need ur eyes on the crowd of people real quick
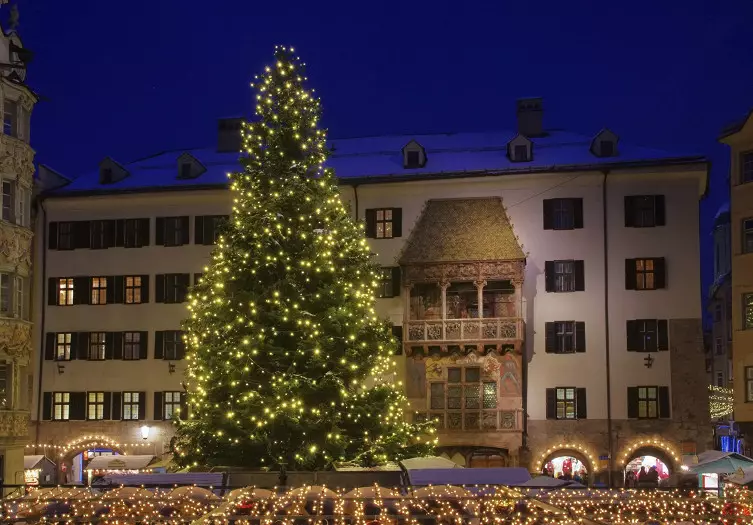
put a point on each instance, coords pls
(643, 478)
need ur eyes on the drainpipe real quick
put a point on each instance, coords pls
(610, 443)
(43, 305)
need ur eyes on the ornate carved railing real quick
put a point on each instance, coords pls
(448, 330)
(493, 420)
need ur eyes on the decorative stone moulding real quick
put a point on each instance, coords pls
(15, 340)
(14, 424)
(15, 245)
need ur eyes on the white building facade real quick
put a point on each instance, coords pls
(545, 287)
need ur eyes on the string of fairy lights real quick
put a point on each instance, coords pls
(721, 401)
(375, 504)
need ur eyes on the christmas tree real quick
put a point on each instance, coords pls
(289, 363)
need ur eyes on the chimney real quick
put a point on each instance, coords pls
(229, 138)
(531, 117)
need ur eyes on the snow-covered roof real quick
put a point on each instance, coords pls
(381, 158)
(32, 462)
(119, 462)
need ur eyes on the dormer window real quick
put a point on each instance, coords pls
(604, 144)
(111, 172)
(520, 149)
(185, 170)
(189, 167)
(105, 175)
(414, 155)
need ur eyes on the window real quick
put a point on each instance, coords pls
(412, 159)
(718, 346)
(172, 231)
(172, 287)
(746, 166)
(566, 403)
(647, 335)
(4, 385)
(565, 336)
(173, 345)
(63, 345)
(645, 274)
(171, 407)
(10, 118)
(563, 214)
(648, 402)
(606, 148)
(564, 276)
(389, 282)
(132, 289)
(644, 211)
(5, 293)
(521, 153)
(185, 170)
(207, 228)
(718, 312)
(748, 311)
(720, 379)
(105, 176)
(61, 406)
(65, 292)
(749, 384)
(95, 406)
(135, 233)
(747, 236)
(467, 400)
(97, 346)
(65, 236)
(99, 290)
(102, 234)
(384, 223)
(18, 297)
(131, 403)
(8, 204)
(22, 206)
(131, 345)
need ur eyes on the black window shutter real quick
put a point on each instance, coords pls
(578, 213)
(630, 276)
(181, 346)
(581, 404)
(119, 234)
(183, 405)
(110, 233)
(629, 214)
(548, 214)
(81, 345)
(143, 345)
(580, 336)
(81, 234)
(117, 406)
(142, 405)
(81, 290)
(109, 345)
(184, 232)
(144, 233)
(371, 223)
(549, 275)
(49, 347)
(397, 333)
(117, 345)
(159, 345)
(660, 218)
(550, 338)
(47, 406)
(52, 291)
(397, 222)
(395, 281)
(184, 282)
(632, 402)
(198, 230)
(664, 410)
(551, 403)
(160, 232)
(580, 276)
(662, 328)
(118, 286)
(108, 406)
(158, 406)
(78, 406)
(660, 272)
(196, 278)
(159, 295)
(110, 290)
(633, 337)
(52, 236)
(145, 288)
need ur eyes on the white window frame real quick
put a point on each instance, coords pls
(99, 290)
(61, 406)
(63, 346)
(131, 404)
(132, 346)
(133, 289)
(65, 291)
(95, 406)
(97, 346)
(170, 405)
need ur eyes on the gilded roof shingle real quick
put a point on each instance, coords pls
(455, 230)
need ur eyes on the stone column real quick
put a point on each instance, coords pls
(518, 298)
(480, 297)
(443, 285)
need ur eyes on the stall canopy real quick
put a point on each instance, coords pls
(716, 462)
(119, 462)
(428, 462)
(743, 476)
(34, 462)
(469, 476)
(549, 482)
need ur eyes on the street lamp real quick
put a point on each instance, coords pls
(145, 432)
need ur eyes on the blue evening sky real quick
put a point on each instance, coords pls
(130, 78)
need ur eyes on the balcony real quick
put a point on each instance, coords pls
(494, 420)
(455, 331)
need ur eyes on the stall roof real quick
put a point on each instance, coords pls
(119, 462)
(31, 462)
(201, 479)
(716, 462)
(428, 462)
(469, 476)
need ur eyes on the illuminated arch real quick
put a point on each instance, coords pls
(666, 452)
(580, 452)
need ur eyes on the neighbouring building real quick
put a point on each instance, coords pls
(545, 287)
(16, 181)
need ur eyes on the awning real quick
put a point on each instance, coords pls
(549, 482)
(32, 462)
(469, 476)
(428, 462)
(716, 462)
(119, 462)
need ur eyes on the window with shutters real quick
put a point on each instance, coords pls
(383, 223)
(172, 341)
(95, 405)
(565, 337)
(171, 405)
(65, 291)
(644, 211)
(747, 231)
(175, 232)
(132, 289)
(648, 402)
(97, 346)
(8, 187)
(65, 236)
(387, 285)
(63, 346)
(135, 233)
(718, 346)
(563, 214)
(645, 274)
(131, 345)
(99, 290)
(465, 401)
(647, 335)
(175, 287)
(748, 311)
(566, 403)
(61, 406)
(102, 234)
(746, 167)
(208, 228)
(749, 384)
(131, 403)
(564, 276)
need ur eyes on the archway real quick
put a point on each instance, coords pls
(569, 464)
(648, 458)
(77, 453)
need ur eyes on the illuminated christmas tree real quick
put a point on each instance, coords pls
(288, 360)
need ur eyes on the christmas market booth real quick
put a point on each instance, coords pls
(38, 469)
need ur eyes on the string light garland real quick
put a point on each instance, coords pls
(564, 447)
(95, 441)
(288, 362)
(721, 401)
(650, 443)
